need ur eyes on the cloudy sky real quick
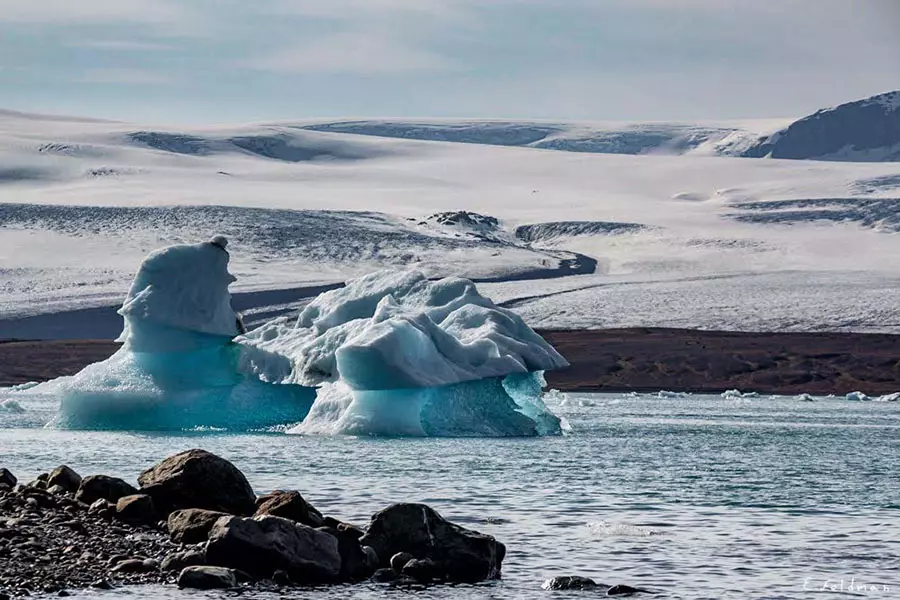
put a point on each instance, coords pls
(240, 60)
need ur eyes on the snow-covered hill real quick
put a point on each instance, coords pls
(865, 130)
(567, 239)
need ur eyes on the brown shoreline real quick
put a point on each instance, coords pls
(615, 360)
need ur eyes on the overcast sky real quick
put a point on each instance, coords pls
(249, 60)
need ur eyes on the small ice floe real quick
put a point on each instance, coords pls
(24, 386)
(805, 398)
(11, 406)
(668, 394)
(888, 397)
(733, 394)
(858, 397)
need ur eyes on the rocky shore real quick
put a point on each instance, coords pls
(194, 521)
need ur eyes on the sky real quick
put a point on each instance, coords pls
(227, 61)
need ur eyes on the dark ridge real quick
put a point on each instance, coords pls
(177, 143)
(544, 231)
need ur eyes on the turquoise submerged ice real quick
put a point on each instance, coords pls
(177, 367)
(396, 354)
(392, 353)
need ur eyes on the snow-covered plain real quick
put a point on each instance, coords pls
(693, 240)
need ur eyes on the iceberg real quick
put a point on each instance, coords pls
(177, 367)
(397, 354)
(391, 353)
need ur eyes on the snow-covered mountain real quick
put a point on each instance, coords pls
(865, 130)
(566, 239)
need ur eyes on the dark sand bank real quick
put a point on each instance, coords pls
(621, 360)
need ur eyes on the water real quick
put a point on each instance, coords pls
(692, 498)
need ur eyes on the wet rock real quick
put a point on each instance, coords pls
(57, 490)
(102, 584)
(192, 525)
(207, 578)
(624, 590)
(570, 582)
(289, 505)
(134, 565)
(198, 479)
(103, 487)
(399, 560)
(371, 558)
(7, 478)
(461, 554)
(262, 545)
(38, 484)
(384, 576)
(355, 564)
(64, 477)
(137, 508)
(423, 571)
(177, 561)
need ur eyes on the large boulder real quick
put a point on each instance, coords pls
(356, 564)
(137, 508)
(206, 578)
(458, 554)
(262, 545)
(64, 477)
(192, 525)
(176, 561)
(7, 478)
(103, 487)
(289, 505)
(198, 479)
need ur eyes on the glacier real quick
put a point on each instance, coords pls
(390, 353)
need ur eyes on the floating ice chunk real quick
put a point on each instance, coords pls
(668, 394)
(895, 397)
(11, 406)
(805, 398)
(397, 354)
(177, 367)
(858, 397)
(734, 394)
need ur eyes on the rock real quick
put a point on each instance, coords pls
(262, 545)
(355, 564)
(461, 554)
(101, 507)
(65, 477)
(281, 578)
(206, 578)
(102, 584)
(177, 561)
(384, 576)
(371, 558)
(137, 508)
(7, 478)
(38, 484)
(133, 565)
(399, 560)
(624, 590)
(289, 505)
(423, 571)
(198, 479)
(570, 582)
(97, 487)
(192, 525)
(57, 490)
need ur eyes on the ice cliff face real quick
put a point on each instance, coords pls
(866, 130)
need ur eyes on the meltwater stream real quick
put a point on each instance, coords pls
(692, 498)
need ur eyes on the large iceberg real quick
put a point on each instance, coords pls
(177, 367)
(397, 354)
(392, 353)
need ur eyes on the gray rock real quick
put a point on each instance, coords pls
(176, 561)
(461, 554)
(133, 565)
(384, 575)
(101, 505)
(137, 508)
(289, 505)
(192, 525)
(57, 490)
(371, 558)
(570, 582)
(399, 560)
(624, 590)
(97, 487)
(206, 578)
(65, 477)
(262, 545)
(7, 478)
(198, 479)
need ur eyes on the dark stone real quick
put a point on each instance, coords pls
(198, 479)
(289, 505)
(384, 576)
(570, 582)
(177, 561)
(461, 554)
(7, 478)
(192, 525)
(206, 578)
(262, 545)
(356, 565)
(136, 509)
(399, 560)
(281, 578)
(624, 590)
(133, 565)
(423, 571)
(57, 490)
(102, 584)
(103, 487)
(65, 477)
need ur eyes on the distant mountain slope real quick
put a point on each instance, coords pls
(862, 131)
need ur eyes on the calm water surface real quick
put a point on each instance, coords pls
(692, 498)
